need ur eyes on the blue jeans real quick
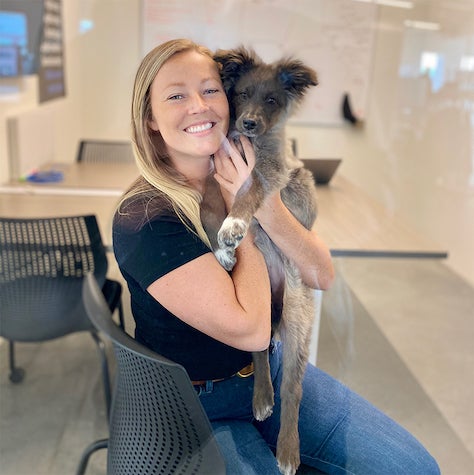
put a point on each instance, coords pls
(340, 433)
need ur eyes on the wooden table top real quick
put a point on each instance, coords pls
(350, 222)
(354, 224)
(82, 178)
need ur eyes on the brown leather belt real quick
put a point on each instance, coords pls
(243, 373)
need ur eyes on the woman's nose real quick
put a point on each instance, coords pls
(198, 104)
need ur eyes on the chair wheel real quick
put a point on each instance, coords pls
(17, 375)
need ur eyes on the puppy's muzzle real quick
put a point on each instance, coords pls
(249, 126)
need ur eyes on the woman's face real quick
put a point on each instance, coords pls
(189, 106)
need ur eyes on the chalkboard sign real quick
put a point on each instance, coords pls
(335, 37)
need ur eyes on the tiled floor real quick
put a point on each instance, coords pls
(399, 332)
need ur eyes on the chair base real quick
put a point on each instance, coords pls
(94, 447)
(17, 375)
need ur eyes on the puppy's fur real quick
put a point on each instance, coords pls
(261, 97)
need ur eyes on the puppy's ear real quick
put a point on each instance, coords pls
(234, 63)
(296, 77)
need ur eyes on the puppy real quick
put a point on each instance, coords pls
(261, 97)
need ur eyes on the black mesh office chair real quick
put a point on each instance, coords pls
(42, 265)
(157, 424)
(100, 151)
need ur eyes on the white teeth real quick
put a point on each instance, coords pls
(199, 128)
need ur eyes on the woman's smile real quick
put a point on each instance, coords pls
(195, 129)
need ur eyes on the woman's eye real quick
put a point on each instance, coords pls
(211, 91)
(175, 97)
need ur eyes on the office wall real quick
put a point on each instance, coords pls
(19, 97)
(101, 54)
(335, 37)
(415, 153)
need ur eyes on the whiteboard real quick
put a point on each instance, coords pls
(334, 37)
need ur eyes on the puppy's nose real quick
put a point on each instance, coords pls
(249, 124)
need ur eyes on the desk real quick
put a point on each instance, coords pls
(81, 178)
(353, 224)
(349, 221)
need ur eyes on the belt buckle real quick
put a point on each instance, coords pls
(246, 372)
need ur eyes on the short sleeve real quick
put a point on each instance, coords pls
(159, 247)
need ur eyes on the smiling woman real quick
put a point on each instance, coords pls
(188, 308)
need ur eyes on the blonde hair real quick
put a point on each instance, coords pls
(149, 148)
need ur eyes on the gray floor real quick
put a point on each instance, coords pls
(399, 332)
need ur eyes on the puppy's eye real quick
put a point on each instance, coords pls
(271, 100)
(243, 96)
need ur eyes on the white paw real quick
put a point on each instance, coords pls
(226, 258)
(262, 413)
(232, 232)
(286, 469)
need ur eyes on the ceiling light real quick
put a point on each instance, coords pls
(422, 25)
(390, 3)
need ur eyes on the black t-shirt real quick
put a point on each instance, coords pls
(147, 249)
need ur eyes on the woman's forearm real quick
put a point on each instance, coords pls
(304, 247)
(252, 288)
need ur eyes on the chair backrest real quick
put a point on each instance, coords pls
(42, 265)
(157, 423)
(100, 151)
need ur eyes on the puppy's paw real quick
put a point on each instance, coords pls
(226, 258)
(287, 469)
(288, 454)
(262, 405)
(232, 232)
(263, 412)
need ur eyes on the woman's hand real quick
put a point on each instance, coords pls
(231, 170)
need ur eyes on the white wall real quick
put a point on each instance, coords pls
(415, 153)
(100, 66)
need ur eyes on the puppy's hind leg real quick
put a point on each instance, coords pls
(295, 334)
(262, 388)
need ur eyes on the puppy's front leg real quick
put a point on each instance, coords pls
(235, 226)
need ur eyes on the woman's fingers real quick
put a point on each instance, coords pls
(234, 163)
(248, 151)
(223, 164)
(242, 154)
